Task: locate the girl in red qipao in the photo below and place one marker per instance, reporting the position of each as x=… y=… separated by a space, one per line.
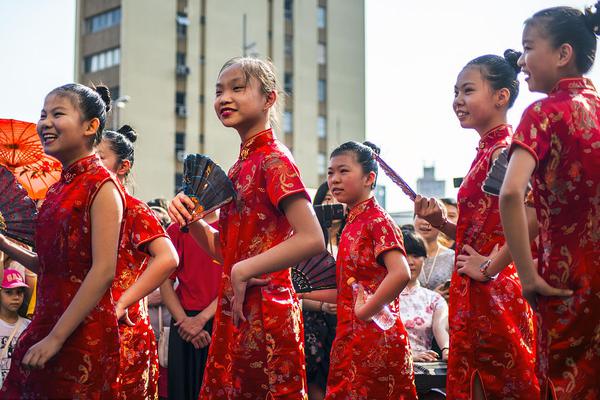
x=257 y=349
x=491 y=324
x=557 y=147
x=366 y=361
x=71 y=347
x=146 y=258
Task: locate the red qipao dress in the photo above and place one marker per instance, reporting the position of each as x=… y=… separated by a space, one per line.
x=264 y=357
x=367 y=362
x=491 y=325
x=138 y=373
x=86 y=366
x=562 y=133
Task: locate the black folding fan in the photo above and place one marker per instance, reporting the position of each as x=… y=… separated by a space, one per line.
x=316 y=273
x=206 y=184
x=496 y=174
x=18 y=212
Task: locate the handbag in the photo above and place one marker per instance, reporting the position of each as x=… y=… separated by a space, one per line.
x=163 y=341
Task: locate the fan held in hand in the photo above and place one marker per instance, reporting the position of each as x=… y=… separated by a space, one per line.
x=316 y=273
x=17 y=211
x=206 y=184
x=396 y=178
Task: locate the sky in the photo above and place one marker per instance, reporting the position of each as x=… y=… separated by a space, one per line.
x=414 y=51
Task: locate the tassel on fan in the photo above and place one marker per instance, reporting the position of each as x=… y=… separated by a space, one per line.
x=18 y=212
x=206 y=184
x=393 y=175
x=316 y=273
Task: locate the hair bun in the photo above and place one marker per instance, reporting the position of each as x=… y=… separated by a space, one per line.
x=104 y=95
x=591 y=15
x=128 y=132
x=512 y=57
x=373 y=147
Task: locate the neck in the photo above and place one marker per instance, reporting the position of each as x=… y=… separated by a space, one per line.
x=247 y=132
x=491 y=124
x=412 y=283
x=432 y=247
x=8 y=316
x=69 y=160
x=363 y=197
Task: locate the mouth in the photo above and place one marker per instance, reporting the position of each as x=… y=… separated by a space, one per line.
x=461 y=114
x=48 y=138
x=336 y=191
x=226 y=112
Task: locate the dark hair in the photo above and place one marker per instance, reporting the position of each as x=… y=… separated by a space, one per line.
x=500 y=72
x=570 y=25
x=320 y=194
x=92 y=102
x=449 y=201
x=365 y=155
x=414 y=244
x=121 y=142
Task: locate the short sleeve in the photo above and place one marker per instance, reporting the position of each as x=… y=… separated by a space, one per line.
x=532 y=134
x=386 y=236
x=438 y=302
x=282 y=178
x=145 y=227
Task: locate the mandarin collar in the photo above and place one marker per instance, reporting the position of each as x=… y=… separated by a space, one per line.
x=255 y=142
x=569 y=84
x=360 y=207
x=78 y=167
x=492 y=136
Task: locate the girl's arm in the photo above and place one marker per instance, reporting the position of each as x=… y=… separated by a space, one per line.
x=106 y=216
x=440 y=329
x=514 y=220
x=171 y=300
x=325 y=295
x=206 y=236
x=162 y=262
x=27 y=258
x=398 y=275
x=306 y=242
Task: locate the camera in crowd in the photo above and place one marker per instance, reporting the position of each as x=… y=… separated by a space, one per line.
x=327 y=213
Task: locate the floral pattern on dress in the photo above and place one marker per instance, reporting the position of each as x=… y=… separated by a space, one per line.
x=491 y=324
x=138 y=372
x=367 y=362
x=562 y=132
x=417 y=306
x=86 y=366
x=264 y=357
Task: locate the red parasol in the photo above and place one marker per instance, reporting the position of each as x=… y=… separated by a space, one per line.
x=22 y=153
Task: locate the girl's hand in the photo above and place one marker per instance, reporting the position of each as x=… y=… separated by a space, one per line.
x=539 y=287
x=123 y=315
x=329 y=308
x=38 y=355
x=429 y=210
x=469 y=264
x=180 y=209
x=426 y=356
x=239 y=285
x=359 y=305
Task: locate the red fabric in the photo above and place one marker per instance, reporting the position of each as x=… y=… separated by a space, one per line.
x=198 y=274
x=367 y=362
x=87 y=365
x=563 y=132
x=138 y=372
x=491 y=324
x=264 y=357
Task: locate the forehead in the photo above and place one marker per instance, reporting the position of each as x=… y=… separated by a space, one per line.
x=533 y=31
x=345 y=158
x=469 y=74
x=55 y=100
x=233 y=72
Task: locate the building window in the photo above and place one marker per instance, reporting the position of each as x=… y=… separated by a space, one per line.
x=287 y=122
x=178 y=182
x=322 y=90
x=288 y=83
x=289 y=46
x=114 y=92
x=321 y=54
x=103 y=21
x=288 y=9
x=181 y=30
x=321 y=164
x=180 y=58
x=321 y=18
x=321 y=126
x=180 y=98
x=103 y=60
x=179 y=141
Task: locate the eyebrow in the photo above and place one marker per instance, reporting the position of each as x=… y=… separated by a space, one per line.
x=464 y=84
x=231 y=82
x=54 y=109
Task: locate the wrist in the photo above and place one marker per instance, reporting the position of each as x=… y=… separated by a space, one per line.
x=238 y=273
x=441 y=225
x=484 y=269
x=201 y=317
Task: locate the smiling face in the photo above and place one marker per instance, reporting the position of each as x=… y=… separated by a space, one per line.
x=540 y=59
x=424 y=228
x=474 y=100
x=239 y=101
x=62 y=130
x=347 y=181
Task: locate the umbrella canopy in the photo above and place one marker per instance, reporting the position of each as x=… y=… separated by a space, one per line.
x=37 y=177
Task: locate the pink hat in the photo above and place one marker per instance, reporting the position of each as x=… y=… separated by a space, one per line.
x=13 y=279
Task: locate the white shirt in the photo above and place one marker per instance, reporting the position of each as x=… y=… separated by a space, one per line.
x=6 y=331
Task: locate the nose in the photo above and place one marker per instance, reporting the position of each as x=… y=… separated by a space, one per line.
x=521 y=61
x=458 y=100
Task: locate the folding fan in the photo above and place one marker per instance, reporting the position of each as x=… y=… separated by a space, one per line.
x=206 y=184
x=495 y=177
x=397 y=179
x=316 y=273
x=18 y=212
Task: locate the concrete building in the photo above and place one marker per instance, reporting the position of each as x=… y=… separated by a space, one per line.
x=161 y=59
x=429 y=186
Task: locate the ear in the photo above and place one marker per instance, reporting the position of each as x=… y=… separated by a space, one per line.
x=370 y=179
x=565 y=54
x=502 y=97
x=124 y=168
x=91 y=126
x=271 y=100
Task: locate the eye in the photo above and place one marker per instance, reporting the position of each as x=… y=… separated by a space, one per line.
x=218 y=93
x=238 y=88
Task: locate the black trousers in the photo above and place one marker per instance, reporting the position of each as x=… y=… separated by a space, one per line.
x=186 y=364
